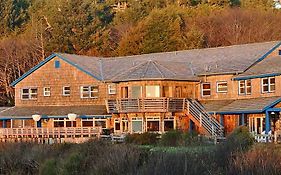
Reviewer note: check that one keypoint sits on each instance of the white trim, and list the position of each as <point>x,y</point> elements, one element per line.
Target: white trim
<point>64,91</point>
<point>222,82</point>
<point>112,88</point>
<point>46,93</point>
<point>89,91</point>
<point>268,85</point>
<point>29,93</point>
<point>202,90</point>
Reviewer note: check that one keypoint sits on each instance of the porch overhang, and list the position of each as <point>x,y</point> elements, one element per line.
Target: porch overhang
<point>26,112</point>
<point>242,106</point>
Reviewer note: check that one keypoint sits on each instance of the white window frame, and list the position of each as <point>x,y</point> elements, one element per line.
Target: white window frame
<point>64,91</point>
<point>100,120</point>
<point>29,93</point>
<point>111,89</point>
<point>202,89</point>
<point>89,91</point>
<point>166,119</point>
<point>268,85</point>
<point>245,87</point>
<point>137,119</point>
<point>222,82</point>
<point>152,119</point>
<point>46,93</point>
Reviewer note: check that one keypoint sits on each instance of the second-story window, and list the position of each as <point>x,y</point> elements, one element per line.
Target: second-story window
<point>47,91</point>
<point>89,91</point>
<point>29,93</point>
<point>66,91</point>
<point>222,87</point>
<point>245,87</point>
<point>112,89</point>
<point>206,89</point>
<point>268,84</point>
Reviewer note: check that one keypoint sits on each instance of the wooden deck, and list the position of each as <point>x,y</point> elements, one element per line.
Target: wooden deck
<point>125,105</point>
<point>68,132</point>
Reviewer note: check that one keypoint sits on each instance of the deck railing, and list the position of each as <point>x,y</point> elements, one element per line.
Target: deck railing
<point>50,132</point>
<point>125,105</point>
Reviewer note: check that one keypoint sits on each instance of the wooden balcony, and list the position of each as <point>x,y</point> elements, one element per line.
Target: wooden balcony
<point>126,105</point>
<point>50,132</point>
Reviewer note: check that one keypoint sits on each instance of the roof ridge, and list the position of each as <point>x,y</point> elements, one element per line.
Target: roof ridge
<point>165,67</point>
<point>128,70</point>
<point>161,73</point>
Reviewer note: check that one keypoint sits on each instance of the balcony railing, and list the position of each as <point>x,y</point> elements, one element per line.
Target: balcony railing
<point>50,132</point>
<point>125,105</point>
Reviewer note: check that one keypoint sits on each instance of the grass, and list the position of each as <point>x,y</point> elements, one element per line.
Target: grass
<point>236,156</point>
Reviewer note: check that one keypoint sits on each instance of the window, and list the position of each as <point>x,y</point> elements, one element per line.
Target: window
<point>222,87</point>
<point>66,91</point>
<point>206,89</point>
<point>136,92</point>
<point>89,91</point>
<point>29,93</point>
<point>57,64</point>
<point>47,91</point>
<point>112,89</point>
<point>152,91</point>
<point>100,123</point>
<point>268,84</point>
<point>245,87</point>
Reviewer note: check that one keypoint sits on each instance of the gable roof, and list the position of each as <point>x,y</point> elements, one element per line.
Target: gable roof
<point>251,105</point>
<point>270,66</point>
<point>178,65</point>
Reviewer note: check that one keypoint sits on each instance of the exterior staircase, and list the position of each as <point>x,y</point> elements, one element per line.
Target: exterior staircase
<point>201,117</point>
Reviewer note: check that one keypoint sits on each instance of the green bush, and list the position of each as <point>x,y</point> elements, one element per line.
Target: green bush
<point>239,140</point>
<point>146,138</point>
<point>171,138</point>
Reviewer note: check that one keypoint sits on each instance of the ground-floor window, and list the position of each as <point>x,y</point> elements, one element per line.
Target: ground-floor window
<point>125,125</point>
<point>137,126</point>
<point>100,122</point>
<point>88,122</point>
<point>153,124</point>
<point>169,124</point>
<point>58,122</point>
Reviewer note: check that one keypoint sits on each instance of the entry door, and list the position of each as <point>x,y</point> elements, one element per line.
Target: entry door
<point>257,124</point>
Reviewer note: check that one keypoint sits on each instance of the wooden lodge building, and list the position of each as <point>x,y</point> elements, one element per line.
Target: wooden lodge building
<point>211,90</point>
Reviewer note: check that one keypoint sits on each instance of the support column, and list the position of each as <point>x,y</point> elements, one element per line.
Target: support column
<point>39,124</point>
<point>242,119</point>
<point>4,124</point>
<point>221,120</point>
<point>267,122</point>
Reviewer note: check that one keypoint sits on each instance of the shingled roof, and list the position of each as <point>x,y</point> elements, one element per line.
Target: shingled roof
<point>28,111</point>
<point>269,66</point>
<point>240,105</point>
<point>178,65</point>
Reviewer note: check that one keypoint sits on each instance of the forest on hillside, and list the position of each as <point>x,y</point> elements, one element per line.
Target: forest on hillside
<point>33,29</point>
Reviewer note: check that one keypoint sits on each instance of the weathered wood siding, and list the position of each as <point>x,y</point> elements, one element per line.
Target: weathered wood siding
<point>56,79</point>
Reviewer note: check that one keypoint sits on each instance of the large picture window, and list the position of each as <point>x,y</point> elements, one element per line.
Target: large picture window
<point>152,91</point>
<point>268,84</point>
<point>89,91</point>
<point>29,93</point>
<point>206,89</point>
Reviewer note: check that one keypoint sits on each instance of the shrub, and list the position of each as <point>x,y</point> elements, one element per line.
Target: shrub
<point>146,138</point>
<point>238,141</point>
<point>171,138</point>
